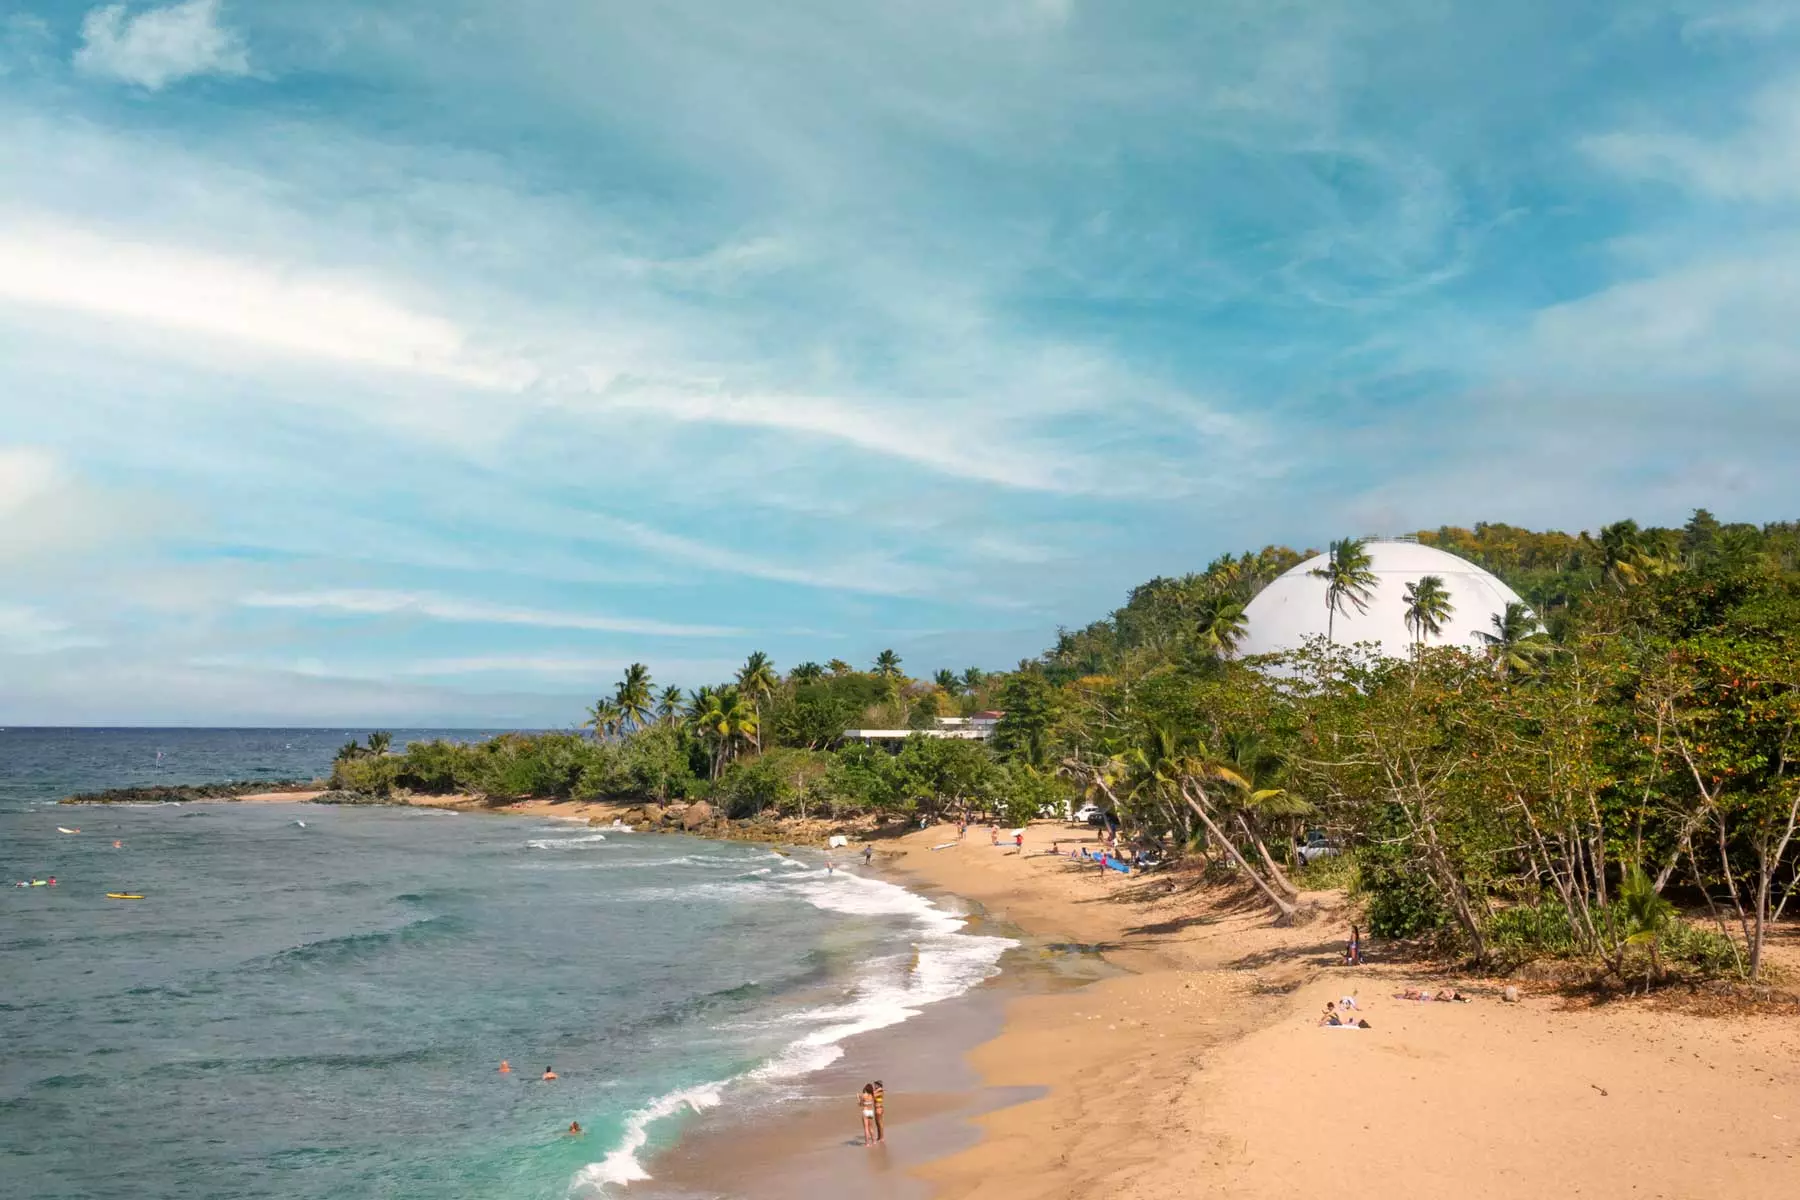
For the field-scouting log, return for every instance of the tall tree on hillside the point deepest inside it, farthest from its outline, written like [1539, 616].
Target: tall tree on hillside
[635, 697]
[1023, 733]
[1516, 642]
[887, 665]
[757, 681]
[668, 704]
[1350, 580]
[1427, 608]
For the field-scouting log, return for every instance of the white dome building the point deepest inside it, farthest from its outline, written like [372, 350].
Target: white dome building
[1292, 608]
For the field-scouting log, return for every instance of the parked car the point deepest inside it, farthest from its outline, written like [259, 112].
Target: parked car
[1090, 814]
[1315, 846]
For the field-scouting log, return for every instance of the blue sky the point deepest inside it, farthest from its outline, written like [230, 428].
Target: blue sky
[428, 361]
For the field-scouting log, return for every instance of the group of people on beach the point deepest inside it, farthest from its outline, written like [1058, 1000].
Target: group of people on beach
[872, 1101]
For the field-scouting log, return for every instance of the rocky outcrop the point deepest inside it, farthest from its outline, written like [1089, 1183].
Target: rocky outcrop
[696, 815]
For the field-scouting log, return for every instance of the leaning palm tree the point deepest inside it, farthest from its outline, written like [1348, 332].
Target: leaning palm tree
[634, 697]
[887, 665]
[1427, 608]
[1349, 575]
[668, 704]
[1517, 644]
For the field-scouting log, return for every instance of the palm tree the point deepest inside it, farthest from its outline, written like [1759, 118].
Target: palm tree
[838, 666]
[1647, 914]
[1427, 608]
[1171, 769]
[727, 720]
[604, 719]
[947, 680]
[757, 681]
[379, 741]
[1223, 623]
[972, 677]
[1517, 643]
[668, 703]
[350, 750]
[1349, 576]
[887, 665]
[1251, 770]
[634, 697]
[806, 672]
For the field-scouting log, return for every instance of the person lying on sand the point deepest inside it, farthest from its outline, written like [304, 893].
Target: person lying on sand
[1448, 995]
[1348, 1002]
[1412, 994]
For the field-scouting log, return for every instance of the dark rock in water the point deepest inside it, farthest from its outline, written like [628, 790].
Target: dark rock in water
[339, 796]
[185, 792]
[697, 814]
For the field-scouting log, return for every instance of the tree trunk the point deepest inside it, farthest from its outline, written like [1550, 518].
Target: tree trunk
[1275, 873]
[1282, 906]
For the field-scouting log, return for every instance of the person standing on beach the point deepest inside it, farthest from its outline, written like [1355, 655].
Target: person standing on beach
[1019, 842]
[880, 1097]
[866, 1101]
[868, 853]
[1353, 951]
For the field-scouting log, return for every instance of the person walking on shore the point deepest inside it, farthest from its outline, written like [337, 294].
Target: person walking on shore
[880, 1097]
[866, 1101]
[868, 853]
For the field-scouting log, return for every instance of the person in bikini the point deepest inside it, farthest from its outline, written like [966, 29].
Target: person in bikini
[866, 1101]
[879, 1096]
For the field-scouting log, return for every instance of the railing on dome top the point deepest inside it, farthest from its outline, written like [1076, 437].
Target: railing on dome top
[1390, 537]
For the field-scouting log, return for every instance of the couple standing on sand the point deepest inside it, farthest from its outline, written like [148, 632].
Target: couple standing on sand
[872, 1101]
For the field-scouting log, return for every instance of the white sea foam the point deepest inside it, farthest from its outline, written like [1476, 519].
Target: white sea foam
[621, 1165]
[567, 843]
[946, 961]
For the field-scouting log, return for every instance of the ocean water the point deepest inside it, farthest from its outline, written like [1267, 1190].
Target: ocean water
[319, 1010]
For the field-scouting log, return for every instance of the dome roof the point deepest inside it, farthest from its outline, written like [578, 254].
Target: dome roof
[1292, 608]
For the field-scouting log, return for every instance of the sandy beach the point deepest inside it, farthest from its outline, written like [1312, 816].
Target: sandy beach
[1202, 1070]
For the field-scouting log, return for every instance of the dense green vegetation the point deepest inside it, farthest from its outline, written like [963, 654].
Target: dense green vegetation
[1545, 795]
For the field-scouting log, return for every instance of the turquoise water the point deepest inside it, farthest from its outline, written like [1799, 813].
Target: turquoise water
[319, 1010]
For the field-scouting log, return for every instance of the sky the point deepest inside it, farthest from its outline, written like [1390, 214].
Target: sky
[427, 361]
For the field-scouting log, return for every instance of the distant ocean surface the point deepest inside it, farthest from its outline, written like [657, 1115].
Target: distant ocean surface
[319, 1011]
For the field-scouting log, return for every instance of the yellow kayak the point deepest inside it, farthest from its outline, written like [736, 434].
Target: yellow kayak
[124, 896]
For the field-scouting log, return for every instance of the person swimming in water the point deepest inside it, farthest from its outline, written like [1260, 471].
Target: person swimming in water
[549, 1074]
[575, 1128]
[505, 1067]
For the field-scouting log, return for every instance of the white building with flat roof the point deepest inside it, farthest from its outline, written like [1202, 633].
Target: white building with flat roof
[978, 728]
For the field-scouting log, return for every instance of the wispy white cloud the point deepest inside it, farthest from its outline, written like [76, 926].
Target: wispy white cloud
[1758, 160]
[27, 631]
[853, 573]
[160, 46]
[266, 306]
[378, 603]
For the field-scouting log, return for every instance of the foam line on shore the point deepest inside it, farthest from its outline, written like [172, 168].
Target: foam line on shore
[947, 962]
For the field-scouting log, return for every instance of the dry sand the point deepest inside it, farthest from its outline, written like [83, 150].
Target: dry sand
[1203, 1071]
